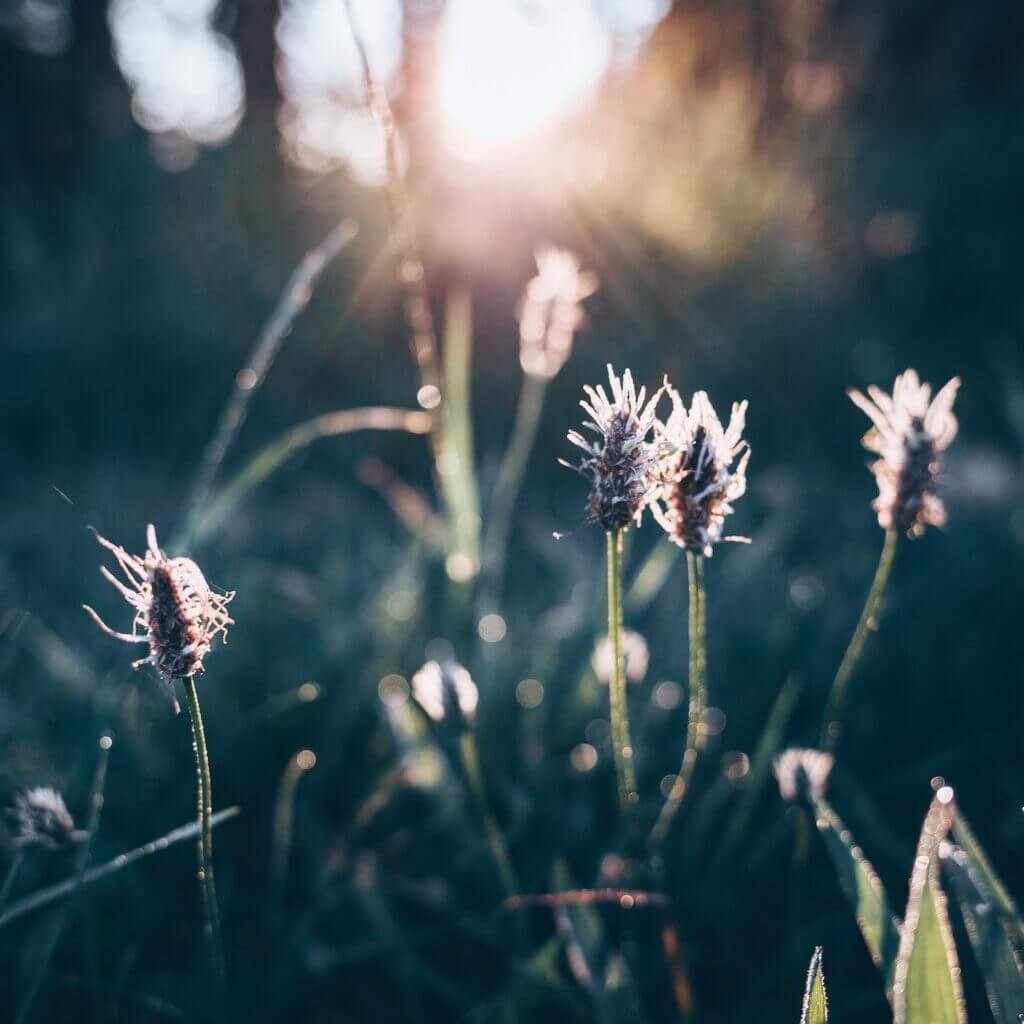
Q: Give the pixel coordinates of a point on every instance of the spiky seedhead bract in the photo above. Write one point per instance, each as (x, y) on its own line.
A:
(695, 482)
(621, 462)
(910, 431)
(551, 311)
(40, 817)
(802, 773)
(446, 691)
(176, 612)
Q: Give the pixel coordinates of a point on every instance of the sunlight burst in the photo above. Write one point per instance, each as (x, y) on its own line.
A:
(508, 69)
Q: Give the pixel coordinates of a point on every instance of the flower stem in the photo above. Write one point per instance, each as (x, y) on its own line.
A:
(832, 726)
(204, 846)
(698, 698)
(621, 745)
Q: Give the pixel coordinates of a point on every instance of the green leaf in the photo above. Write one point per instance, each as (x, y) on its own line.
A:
(926, 985)
(862, 888)
(989, 936)
(982, 869)
(815, 1008)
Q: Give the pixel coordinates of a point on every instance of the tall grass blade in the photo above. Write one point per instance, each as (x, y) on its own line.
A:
(96, 794)
(43, 897)
(456, 469)
(980, 866)
(769, 742)
(268, 460)
(863, 890)
(293, 300)
(993, 949)
(926, 984)
(815, 1008)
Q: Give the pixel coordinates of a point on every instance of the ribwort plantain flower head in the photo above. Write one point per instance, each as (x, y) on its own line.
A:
(40, 817)
(696, 480)
(910, 431)
(621, 462)
(802, 773)
(176, 612)
(446, 691)
(550, 313)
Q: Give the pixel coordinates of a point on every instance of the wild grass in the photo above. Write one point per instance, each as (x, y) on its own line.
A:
(528, 848)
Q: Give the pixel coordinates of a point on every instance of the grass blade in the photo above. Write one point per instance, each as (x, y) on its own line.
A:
(248, 380)
(456, 472)
(96, 796)
(989, 936)
(862, 888)
(926, 985)
(979, 864)
(217, 508)
(815, 1008)
(42, 897)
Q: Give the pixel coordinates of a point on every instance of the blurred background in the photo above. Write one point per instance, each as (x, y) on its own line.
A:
(778, 199)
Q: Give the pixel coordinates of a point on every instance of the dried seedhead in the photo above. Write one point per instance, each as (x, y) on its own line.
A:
(551, 311)
(695, 484)
(445, 690)
(40, 817)
(621, 463)
(802, 772)
(910, 431)
(176, 612)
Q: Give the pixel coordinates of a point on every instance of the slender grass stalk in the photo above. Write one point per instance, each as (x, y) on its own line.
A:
(293, 300)
(12, 874)
(510, 479)
(43, 897)
(217, 507)
(99, 782)
(456, 474)
(204, 846)
(411, 275)
(832, 725)
(698, 698)
(474, 777)
(284, 810)
(470, 758)
(622, 748)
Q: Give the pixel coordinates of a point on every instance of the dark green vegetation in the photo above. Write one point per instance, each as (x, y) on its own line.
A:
(129, 298)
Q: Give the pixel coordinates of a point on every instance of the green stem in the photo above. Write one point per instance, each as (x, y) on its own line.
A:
(474, 777)
(832, 726)
(695, 735)
(204, 845)
(12, 874)
(621, 746)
